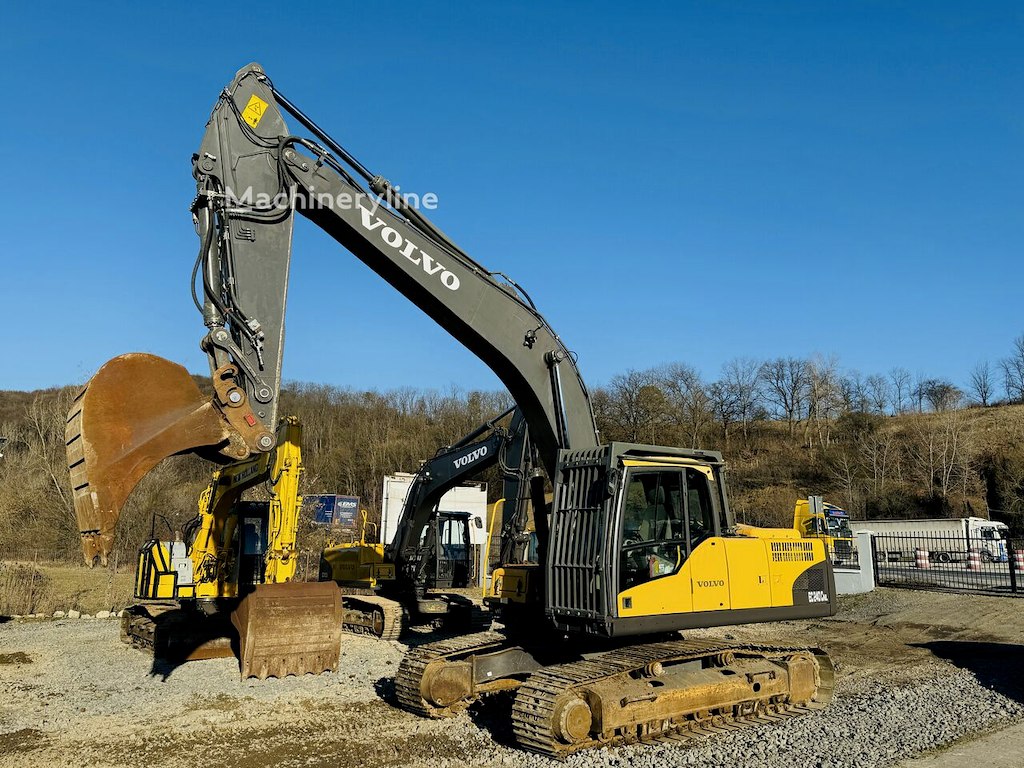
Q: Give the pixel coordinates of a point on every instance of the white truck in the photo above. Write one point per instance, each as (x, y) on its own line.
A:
(947, 540)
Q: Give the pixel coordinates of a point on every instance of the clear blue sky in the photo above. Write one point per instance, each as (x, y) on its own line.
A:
(669, 181)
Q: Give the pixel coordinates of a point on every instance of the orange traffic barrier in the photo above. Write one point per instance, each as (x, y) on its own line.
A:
(974, 560)
(921, 558)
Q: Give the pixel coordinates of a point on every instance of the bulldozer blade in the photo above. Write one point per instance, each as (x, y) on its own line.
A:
(136, 411)
(289, 629)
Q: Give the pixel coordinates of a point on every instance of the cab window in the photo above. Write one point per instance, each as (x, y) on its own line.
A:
(665, 515)
(700, 511)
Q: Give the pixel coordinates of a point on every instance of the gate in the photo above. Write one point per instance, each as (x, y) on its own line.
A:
(929, 561)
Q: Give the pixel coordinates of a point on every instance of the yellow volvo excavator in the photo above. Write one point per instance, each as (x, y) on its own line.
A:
(637, 543)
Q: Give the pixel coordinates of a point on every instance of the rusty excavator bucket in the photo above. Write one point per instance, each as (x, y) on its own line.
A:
(289, 629)
(136, 411)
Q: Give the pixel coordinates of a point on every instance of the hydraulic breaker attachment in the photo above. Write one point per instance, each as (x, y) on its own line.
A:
(289, 629)
(136, 411)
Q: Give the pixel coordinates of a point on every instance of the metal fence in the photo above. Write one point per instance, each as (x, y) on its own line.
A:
(45, 555)
(307, 563)
(842, 553)
(930, 561)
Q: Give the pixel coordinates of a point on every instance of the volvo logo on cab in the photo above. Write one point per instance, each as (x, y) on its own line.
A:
(712, 583)
(393, 238)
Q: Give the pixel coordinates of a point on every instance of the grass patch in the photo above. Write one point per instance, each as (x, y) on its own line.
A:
(27, 588)
(23, 589)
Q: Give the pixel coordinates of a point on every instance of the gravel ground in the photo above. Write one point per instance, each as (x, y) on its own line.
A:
(916, 671)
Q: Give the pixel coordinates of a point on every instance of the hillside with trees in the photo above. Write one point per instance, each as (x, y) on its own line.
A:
(880, 445)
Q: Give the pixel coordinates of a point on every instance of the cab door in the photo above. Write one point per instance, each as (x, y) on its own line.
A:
(653, 543)
(671, 559)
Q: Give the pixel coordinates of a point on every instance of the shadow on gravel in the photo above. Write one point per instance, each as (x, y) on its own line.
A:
(18, 657)
(5, 619)
(384, 687)
(177, 651)
(176, 636)
(494, 715)
(998, 666)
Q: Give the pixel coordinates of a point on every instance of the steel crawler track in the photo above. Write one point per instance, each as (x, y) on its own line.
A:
(358, 611)
(533, 713)
(410, 671)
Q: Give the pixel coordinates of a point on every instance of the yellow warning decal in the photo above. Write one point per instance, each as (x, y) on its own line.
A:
(254, 110)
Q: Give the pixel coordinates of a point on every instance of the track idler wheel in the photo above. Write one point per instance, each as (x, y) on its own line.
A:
(446, 682)
(573, 719)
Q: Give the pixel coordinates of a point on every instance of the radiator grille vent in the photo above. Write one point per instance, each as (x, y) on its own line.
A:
(792, 552)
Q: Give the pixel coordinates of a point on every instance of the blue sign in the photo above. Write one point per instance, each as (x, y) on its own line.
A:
(346, 509)
(324, 506)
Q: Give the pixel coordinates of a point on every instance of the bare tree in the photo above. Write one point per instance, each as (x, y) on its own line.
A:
(637, 407)
(982, 383)
(738, 390)
(686, 400)
(1013, 371)
(844, 470)
(900, 378)
(941, 395)
(36, 507)
(919, 390)
(854, 392)
(879, 456)
(943, 452)
(725, 406)
(785, 384)
(824, 397)
(877, 390)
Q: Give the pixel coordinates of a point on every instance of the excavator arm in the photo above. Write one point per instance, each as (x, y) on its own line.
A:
(251, 176)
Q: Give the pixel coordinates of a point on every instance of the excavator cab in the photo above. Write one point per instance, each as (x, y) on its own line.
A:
(448, 547)
(642, 540)
(253, 523)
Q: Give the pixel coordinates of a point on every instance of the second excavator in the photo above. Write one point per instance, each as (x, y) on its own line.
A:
(637, 543)
(410, 576)
(230, 574)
